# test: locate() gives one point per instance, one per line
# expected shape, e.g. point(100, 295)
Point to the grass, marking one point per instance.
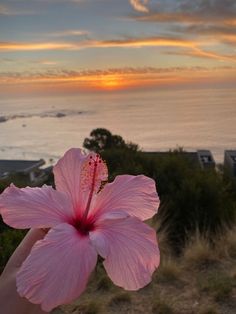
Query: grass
point(104, 283)
point(161, 307)
point(120, 298)
point(199, 254)
point(162, 235)
point(92, 307)
point(218, 284)
point(209, 310)
point(169, 271)
point(226, 243)
point(202, 280)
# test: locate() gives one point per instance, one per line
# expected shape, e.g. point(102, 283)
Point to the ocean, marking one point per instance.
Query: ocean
point(45, 127)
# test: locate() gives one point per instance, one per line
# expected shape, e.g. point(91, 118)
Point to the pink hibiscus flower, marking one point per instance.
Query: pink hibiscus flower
point(84, 220)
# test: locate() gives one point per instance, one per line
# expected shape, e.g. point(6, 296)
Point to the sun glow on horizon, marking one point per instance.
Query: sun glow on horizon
point(115, 80)
point(111, 82)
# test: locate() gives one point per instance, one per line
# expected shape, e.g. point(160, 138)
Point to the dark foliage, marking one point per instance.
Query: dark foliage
point(9, 240)
point(102, 139)
point(190, 197)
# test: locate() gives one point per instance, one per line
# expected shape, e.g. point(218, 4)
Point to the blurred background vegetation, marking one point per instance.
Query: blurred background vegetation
point(192, 199)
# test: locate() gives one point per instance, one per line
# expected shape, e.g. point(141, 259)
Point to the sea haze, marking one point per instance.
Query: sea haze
point(159, 120)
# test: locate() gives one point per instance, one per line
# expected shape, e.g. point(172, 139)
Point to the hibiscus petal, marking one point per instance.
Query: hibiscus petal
point(57, 269)
point(34, 207)
point(135, 195)
point(130, 250)
point(67, 173)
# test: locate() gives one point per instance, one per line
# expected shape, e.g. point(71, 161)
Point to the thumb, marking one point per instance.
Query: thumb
point(24, 248)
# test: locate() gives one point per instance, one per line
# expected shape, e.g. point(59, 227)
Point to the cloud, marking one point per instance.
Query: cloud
point(222, 33)
point(165, 17)
point(45, 62)
point(69, 33)
point(199, 11)
point(7, 60)
point(209, 8)
point(72, 75)
point(194, 48)
point(13, 46)
point(202, 20)
point(208, 29)
point(199, 53)
point(116, 43)
point(27, 62)
point(189, 11)
point(8, 11)
point(140, 5)
point(67, 81)
point(141, 42)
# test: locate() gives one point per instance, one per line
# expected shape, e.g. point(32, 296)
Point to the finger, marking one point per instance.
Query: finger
point(23, 250)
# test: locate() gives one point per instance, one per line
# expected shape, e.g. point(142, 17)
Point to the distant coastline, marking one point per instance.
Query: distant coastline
point(46, 127)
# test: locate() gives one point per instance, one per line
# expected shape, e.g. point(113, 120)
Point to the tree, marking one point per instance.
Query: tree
point(102, 139)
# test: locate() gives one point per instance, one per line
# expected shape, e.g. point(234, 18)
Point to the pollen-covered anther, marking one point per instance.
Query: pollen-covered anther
point(94, 171)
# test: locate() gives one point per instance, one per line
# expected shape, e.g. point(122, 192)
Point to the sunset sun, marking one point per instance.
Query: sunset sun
point(111, 82)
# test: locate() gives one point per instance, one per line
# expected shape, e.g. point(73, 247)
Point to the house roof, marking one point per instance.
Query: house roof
point(25, 166)
point(192, 156)
point(231, 154)
point(200, 157)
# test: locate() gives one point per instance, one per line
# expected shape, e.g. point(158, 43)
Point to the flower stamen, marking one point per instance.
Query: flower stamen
point(94, 172)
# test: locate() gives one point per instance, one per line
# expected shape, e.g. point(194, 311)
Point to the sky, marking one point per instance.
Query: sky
point(72, 46)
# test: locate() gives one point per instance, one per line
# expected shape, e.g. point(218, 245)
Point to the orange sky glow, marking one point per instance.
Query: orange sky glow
point(127, 45)
point(126, 80)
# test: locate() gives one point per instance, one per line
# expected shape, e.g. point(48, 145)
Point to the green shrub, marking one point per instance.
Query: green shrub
point(9, 240)
point(191, 198)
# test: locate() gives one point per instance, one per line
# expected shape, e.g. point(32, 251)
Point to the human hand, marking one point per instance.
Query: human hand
point(10, 301)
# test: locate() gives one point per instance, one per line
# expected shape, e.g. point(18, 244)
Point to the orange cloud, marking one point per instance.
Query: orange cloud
point(141, 42)
point(194, 48)
point(209, 19)
point(229, 39)
point(199, 53)
point(212, 55)
point(46, 62)
point(11, 46)
point(115, 79)
point(231, 22)
point(173, 17)
point(123, 43)
point(186, 18)
point(140, 5)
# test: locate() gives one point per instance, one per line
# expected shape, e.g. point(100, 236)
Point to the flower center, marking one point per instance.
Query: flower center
point(84, 226)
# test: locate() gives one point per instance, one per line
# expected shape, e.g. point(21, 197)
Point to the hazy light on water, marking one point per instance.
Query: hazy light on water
point(46, 127)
